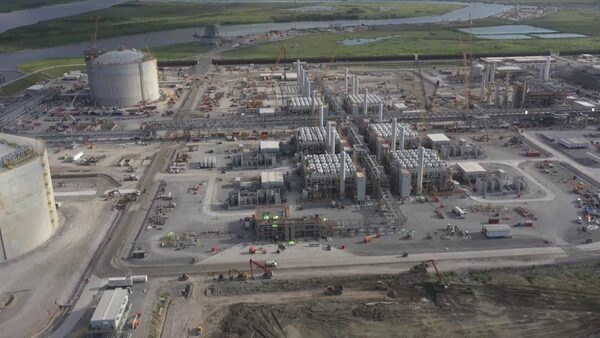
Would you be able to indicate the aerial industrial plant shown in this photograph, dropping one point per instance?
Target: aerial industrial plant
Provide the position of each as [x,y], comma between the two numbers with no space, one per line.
[259,186]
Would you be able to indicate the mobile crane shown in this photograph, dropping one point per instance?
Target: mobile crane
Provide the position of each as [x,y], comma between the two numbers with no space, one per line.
[422,268]
[267,274]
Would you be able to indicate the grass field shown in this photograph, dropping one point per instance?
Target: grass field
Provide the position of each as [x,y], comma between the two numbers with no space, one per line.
[179,51]
[38,77]
[434,39]
[15,5]
[132,18]
[572,21]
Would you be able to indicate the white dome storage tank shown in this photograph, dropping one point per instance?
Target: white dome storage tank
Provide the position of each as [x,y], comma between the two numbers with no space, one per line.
[123,77]
[28,214]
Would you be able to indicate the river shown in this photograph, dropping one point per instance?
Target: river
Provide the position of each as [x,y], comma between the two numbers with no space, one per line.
[28,17]
[162,38]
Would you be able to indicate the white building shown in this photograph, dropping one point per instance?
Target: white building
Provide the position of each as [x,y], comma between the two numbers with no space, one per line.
[111,312]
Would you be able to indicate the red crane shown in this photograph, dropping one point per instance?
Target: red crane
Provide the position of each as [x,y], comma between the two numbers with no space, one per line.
[268,274]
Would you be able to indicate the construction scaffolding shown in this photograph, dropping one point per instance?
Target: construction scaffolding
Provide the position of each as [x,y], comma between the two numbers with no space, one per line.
[419,171]
[355,103]
[313,140]
[322,175]
[275,224]
[536,94]
[379,134]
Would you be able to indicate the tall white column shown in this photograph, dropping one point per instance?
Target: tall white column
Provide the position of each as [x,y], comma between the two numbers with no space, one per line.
[547,68]
[332,144]
[346,82]
[366,107]
[328,145]
[401,143]
[321,116]
[420,170]
[394,133]
[342,175]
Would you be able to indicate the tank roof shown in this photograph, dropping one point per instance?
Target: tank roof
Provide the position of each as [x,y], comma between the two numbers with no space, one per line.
[5,149]
[120,56]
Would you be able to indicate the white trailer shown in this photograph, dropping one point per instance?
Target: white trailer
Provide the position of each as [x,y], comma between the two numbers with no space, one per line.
[497,231]
[139,278]
[119,282]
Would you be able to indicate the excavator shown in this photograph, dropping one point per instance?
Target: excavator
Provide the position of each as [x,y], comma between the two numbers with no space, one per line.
[136,321]
[267,274]
[218,276]
[239,275]
[422,268]
[332,290]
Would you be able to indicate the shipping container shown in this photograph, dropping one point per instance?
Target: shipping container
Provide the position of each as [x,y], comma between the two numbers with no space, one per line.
[497,231]
[533,154]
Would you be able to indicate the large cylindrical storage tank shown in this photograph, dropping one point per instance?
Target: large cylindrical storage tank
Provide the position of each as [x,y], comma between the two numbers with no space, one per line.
[28,214]
[123,77]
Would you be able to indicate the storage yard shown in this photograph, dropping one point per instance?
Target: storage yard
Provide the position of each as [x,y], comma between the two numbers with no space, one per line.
[264,199]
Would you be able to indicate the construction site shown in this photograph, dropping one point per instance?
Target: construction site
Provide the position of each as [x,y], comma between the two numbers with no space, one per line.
[267,199]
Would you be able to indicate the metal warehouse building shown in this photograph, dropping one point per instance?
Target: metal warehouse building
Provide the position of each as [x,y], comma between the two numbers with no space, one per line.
[123,77]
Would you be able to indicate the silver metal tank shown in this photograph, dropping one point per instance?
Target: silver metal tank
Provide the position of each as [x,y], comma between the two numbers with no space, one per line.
[123,77]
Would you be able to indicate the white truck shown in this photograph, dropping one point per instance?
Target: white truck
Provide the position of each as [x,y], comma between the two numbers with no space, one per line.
[458,211]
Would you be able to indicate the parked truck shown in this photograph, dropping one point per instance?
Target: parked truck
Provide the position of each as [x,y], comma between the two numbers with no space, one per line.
[497,231]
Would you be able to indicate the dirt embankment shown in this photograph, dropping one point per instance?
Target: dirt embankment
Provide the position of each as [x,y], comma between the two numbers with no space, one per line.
[562,301]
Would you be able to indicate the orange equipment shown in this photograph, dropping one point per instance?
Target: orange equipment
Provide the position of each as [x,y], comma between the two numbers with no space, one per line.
[267,274]
[136,321]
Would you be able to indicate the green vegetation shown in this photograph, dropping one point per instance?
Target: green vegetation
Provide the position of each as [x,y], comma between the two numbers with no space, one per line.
[37,77]
[15,5]
[433,39]
[132,18]
[180,51]
[31,67]
[571,21]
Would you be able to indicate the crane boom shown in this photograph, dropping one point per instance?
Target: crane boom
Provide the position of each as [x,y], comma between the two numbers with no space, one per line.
[267,273]
[423,91]
[258,101]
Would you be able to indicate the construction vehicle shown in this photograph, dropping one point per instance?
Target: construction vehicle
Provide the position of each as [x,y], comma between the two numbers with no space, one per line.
[66,117]
[334,290]
[267,274]
[423,91]
[136,321]
[252,250]
[422,269]
[482,138]
[218,276]
[257,102]
[271,264]
[198,330]
[236,274]
[183,277]
[131,177]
